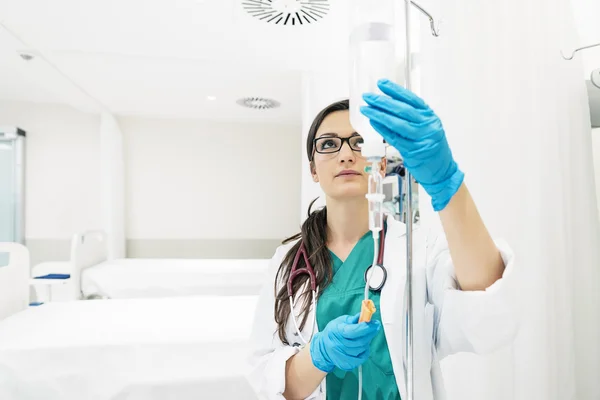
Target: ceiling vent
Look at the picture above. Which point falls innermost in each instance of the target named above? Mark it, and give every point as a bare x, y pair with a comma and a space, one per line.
287, 12
258, 103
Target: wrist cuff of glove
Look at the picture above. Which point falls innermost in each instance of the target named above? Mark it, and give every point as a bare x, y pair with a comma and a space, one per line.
317, 356
447, 190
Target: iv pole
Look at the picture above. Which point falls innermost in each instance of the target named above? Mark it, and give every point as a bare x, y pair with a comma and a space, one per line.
409, 369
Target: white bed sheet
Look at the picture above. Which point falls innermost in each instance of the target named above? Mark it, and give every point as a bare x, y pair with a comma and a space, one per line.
140, 278
173, 348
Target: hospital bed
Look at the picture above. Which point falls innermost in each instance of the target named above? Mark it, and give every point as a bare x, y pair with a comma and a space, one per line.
170, 348
181, 348
94, 276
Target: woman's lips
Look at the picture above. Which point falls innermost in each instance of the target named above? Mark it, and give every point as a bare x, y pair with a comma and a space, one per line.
348, 172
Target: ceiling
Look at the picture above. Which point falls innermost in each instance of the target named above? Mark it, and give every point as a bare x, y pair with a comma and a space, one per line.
183, 58
168, 58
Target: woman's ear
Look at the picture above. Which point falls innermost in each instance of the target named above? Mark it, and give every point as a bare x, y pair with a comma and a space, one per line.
313, 172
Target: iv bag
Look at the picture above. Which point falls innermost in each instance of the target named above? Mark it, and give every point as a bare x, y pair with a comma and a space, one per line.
373, 57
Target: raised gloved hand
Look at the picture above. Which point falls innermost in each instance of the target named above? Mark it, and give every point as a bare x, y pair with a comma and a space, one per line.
344, 343
408, 124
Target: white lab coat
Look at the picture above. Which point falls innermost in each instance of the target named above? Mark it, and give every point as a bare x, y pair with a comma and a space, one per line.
446, 319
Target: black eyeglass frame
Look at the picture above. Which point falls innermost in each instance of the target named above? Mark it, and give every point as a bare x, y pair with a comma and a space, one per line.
343, 140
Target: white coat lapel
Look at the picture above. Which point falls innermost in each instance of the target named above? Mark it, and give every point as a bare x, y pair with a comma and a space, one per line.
392, 307
391, 302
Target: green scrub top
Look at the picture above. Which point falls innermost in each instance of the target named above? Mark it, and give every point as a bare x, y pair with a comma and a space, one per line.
344, 296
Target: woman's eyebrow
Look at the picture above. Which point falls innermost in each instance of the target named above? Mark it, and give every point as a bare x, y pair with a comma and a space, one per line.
332, 134
329, 134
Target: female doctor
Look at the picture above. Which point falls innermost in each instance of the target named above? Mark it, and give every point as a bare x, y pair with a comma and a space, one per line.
459, 276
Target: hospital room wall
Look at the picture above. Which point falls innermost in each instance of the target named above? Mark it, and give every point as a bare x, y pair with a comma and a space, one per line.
62, 171
202, 189
194, 188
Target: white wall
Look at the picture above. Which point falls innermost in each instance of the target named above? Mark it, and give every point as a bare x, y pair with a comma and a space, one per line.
596, 150
193, 179
62, 170
212, 185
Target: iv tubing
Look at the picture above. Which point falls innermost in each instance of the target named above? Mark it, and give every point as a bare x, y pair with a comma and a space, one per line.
376, 252
408, 293
374, 227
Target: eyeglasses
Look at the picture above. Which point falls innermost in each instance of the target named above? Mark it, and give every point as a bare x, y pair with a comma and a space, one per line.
333, 144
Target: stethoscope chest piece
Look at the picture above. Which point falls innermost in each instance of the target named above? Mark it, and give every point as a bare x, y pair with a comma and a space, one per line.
378, 278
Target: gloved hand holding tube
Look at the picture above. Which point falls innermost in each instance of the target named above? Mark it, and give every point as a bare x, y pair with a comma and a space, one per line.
344, 343
408, 124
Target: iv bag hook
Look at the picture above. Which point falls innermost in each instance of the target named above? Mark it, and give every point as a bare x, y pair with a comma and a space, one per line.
434, 30
579, 49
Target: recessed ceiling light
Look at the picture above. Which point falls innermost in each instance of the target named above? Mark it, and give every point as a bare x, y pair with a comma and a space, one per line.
211, 98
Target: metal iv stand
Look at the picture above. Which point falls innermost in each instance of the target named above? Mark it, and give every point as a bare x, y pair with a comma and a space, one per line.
409, 367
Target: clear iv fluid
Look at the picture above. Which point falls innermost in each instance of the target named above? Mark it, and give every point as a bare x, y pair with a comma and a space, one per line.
372, 48
375, 197
373, 58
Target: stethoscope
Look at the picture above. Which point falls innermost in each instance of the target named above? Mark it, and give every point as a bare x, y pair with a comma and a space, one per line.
375, 276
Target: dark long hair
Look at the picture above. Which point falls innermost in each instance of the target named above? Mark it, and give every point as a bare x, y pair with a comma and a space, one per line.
314, 235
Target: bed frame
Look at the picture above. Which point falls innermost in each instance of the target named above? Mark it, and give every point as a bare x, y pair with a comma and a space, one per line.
87, 249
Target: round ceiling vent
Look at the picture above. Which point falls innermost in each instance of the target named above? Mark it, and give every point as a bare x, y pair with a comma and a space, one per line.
287, 12
258, 103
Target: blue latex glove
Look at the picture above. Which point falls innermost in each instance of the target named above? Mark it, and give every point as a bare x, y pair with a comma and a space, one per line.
344, 343
408, 124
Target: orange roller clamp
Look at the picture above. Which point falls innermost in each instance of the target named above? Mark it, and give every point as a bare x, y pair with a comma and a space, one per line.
366, 311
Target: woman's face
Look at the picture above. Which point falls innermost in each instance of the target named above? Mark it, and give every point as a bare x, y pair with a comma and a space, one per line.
341, 174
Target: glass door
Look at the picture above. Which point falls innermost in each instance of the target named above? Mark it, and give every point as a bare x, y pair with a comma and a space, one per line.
12, 168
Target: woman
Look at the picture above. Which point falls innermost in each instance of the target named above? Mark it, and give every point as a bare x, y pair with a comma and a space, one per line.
459, 291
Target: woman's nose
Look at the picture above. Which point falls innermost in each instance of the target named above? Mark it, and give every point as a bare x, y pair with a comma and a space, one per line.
346, 153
